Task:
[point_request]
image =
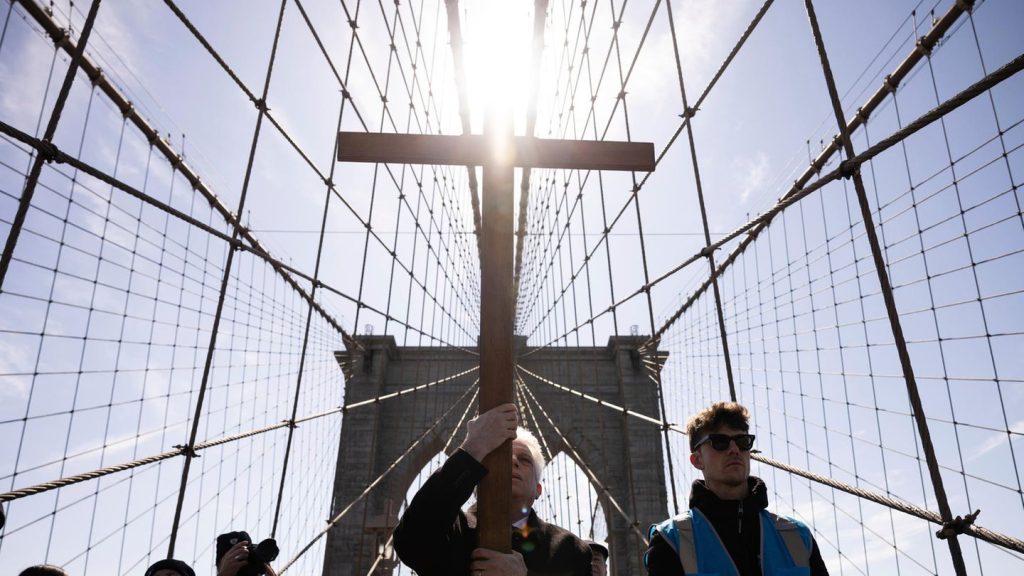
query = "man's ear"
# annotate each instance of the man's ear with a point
(540, 489)
(696, 460)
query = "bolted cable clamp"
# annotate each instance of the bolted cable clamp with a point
(188, 451)
(889, 84)
(957, 525)
(49, 151)
(922, 48)
(707, 251)
(59, 36)
(95, 76)
(848, 168)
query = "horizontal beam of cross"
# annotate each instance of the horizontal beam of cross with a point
(476, 150)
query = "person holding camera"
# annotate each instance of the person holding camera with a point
(236, 555)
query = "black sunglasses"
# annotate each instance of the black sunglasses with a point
(721, 442)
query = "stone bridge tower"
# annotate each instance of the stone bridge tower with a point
(624, 453)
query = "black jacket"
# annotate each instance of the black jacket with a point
(737, 523)
(435, 537)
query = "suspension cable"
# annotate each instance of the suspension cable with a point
(755, 226)
(799, 190)
(890, 302)
(622, 410)
(408, 391)
(153, 136)
(800, 187)
(261, 104)
(447, 445)
(636, 188)
(256, 249)
(462, 94)
(337, 518)
(630, 521)
(979, 532)
(25, 201)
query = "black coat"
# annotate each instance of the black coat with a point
(737, 523)
(436, 538)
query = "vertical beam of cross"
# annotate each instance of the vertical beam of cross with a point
(497, 308)
(499, 156)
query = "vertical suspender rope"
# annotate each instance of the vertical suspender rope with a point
(447, 445)
(50, 299)
(32, 179)
(305, 341)
(189, 451)
(890, 302)
(643, 259)
(1014, 453)
(51, 128)
(384, 115)
(688, 115)
(309, 315)
(333, 522)
(631, 522)
(121, 335)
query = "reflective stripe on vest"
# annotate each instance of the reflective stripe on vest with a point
(785, 545)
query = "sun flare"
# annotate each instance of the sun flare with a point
(497, 35)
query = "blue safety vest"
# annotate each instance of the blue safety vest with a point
(785, 545)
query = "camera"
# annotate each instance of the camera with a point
(259, 554)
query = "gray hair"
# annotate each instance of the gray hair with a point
(530, 441)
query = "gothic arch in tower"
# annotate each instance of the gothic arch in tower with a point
(623, 455)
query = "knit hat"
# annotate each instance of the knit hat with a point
(226, 541)
(171, 564)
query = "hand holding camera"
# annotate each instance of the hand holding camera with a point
(237, 556)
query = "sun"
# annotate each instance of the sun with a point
(497, 38)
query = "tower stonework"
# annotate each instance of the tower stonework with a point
(624, 453)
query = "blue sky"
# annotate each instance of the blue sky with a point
(107, 311)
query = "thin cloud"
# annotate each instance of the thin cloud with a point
(20, 98)
(15, 359)
(703, 31)
(753, 174)
(994, 442)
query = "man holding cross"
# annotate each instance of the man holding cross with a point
(435, 537)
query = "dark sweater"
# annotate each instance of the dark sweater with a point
(435, 537)
(737, 523)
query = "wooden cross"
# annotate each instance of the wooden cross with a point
(497, 301)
